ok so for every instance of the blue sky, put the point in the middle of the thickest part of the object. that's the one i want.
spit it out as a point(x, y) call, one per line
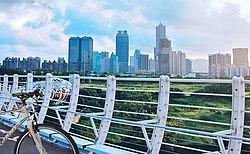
point(197, 27)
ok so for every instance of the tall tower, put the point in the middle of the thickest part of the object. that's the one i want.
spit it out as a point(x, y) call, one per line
point(122, 50)
point(240, 57)
point(114, 63)
point(86, 54)
point(73, 54)
point(160, 33)
point(80, 56)
point(136, 57)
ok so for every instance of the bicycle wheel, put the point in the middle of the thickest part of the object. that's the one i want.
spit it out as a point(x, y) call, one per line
point(54, 141)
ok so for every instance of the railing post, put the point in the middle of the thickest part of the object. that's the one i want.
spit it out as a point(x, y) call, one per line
point(4, 90)
point(108, 110)
point(162, 113)
point(75, 79)
point(29, 82)
point(5, 85)
point(13, 90)
point(46, 100)
point(237, 118)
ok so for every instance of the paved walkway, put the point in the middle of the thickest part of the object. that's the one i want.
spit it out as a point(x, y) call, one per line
point(8, 146)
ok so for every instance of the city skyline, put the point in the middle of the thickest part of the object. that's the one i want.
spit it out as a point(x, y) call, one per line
point(197, 28)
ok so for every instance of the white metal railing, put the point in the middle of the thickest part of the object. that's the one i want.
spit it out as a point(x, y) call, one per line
point(141, 119)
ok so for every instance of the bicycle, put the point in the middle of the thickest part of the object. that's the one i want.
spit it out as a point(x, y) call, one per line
point(38, 138)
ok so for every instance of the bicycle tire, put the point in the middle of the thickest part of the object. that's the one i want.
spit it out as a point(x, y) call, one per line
point(54, 140)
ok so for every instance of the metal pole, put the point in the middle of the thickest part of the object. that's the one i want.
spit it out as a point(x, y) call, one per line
point(4, 90)
point(46, 100)
point(162, 113)
point(29, 82)
point(14, 90)
point(108, 109)
point(73, 102)
point(237, 118)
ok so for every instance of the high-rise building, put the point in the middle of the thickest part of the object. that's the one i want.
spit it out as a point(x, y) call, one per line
point(217, 64)
point(122, 50)
point(80, 56)
point(104, 62)
point(86, 55)
point(160, 33)
point(96, 61)
point(165, 57)
point(132, 64)
point(181, 63)
point(114, 68)
point(188, 66)
point(143, 62)
point(136, 57)
point(62, 65)
point(59, 66)
point(74, 54)
point(151, 65)
point(37, 61)
point(240, 57)
point(29, 63)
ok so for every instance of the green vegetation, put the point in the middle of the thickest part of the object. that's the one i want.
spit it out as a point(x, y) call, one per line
point(126, 110)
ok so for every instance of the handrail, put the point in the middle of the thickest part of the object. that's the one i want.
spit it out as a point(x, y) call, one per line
point(135, 120)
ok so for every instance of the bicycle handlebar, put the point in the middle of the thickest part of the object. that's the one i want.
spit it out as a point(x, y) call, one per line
point(23, 95)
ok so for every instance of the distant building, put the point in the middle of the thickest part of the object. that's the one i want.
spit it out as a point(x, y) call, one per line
point(217, 64)
point(114, 68)
point(132, 64)
point(27, 64)
point(165, 57)
point(74, 54)
point(62, 65)
point(80, 55)
point(136, 61)
point(104, 62)
point(240, 57)
point(232, 70)
point(101, 62)
point(151, 65)
point(200, 65)
point(86, 54)
point(122, 50)
point(59, 66)
point(160, 34)
point(188, 66)
point(96, 62)
point(143, 62)
point(181, 63)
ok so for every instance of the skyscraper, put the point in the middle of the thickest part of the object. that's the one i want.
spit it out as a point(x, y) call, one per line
point(114, 68)
point(86, 54)
point(151, 65)
point(122, 50)
point(74, 54)
point(132, 64)
point(104, 62)
point(143, 62)
point(160, 33)
point(188, 66)
point(240, 57)
point(136, 57)
point(80, 56)
point(96, 61)
point(165, 57)
point(217, 64)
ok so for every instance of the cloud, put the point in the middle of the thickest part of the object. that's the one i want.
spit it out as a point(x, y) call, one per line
point(198, 28)
point(207, 30)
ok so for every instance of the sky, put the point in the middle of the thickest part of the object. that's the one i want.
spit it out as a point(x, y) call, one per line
point(197, 27)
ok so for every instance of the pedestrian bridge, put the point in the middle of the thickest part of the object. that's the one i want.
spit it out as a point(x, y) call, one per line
point(140, 115)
